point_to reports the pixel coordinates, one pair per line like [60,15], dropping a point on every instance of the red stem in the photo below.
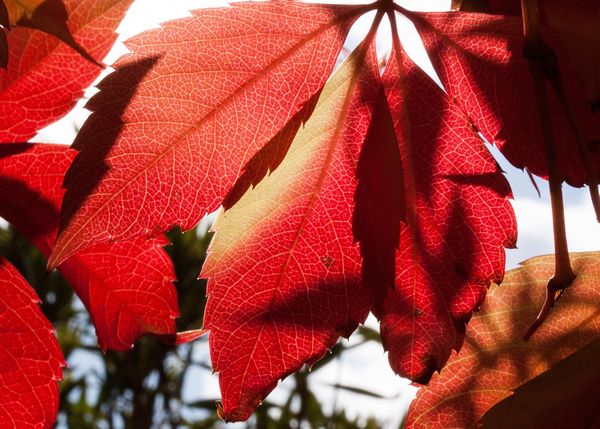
[542,65]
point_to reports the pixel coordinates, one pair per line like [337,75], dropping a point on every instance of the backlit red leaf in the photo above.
[283,267]
[479,59]
[127,287]
[45,77]
[31,358]
[495,360]
[172,128]
[458,221]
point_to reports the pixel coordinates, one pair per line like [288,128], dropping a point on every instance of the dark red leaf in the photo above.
[31,358]
[479,59]
[458,221]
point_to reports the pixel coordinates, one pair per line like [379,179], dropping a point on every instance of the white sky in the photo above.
[365,366]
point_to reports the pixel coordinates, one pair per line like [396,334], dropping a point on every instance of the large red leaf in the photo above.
[284,271]
[45,77]
[31,358]
[172,128]
[127,287]
[495,359]
[458,221]
[479,59]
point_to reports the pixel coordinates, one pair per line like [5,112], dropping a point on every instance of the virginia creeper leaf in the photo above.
[495,360]
[577,25]
[479,59]
[127,287]
[49,16]
[31,357]
[283,268]
[202,95]
[458,221]
[45,77]
[566,395]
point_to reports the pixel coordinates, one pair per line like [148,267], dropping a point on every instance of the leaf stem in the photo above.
[543,65]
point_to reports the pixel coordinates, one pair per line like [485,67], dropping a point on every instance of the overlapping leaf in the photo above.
[172,128]
[284,271]
[127,287]
[50,16]
[479,59]
[495,360]
[577,25]
[44,76]
[31,358]
[458,221]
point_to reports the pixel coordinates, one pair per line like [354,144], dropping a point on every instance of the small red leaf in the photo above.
[174,125]
[283,268]
[45,77]
[31,357]
[458,221]
[127,287]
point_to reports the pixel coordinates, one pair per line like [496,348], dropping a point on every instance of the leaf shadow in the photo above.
[51,17]
[116,92]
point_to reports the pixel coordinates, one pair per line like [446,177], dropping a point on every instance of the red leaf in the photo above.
[495,360]
[49,16]
[127,287]
[458,220]
[45,77]
[480,63]
[174,125]
[30,355]
[283,267]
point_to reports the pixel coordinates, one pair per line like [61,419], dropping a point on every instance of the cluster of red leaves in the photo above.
[344,190]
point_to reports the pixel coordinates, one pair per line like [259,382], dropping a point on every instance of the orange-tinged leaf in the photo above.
[127,287]
[172,128]
[565,396]
[284,272]
[31,358]
[45,77]
[49,16]
[495,360]
[458,221]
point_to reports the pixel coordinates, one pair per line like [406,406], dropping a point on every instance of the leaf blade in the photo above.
[495,360]
[127,287]
[202,101]
[291,235]
[32,359]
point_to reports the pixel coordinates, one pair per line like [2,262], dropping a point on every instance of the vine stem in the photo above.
[543,66]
